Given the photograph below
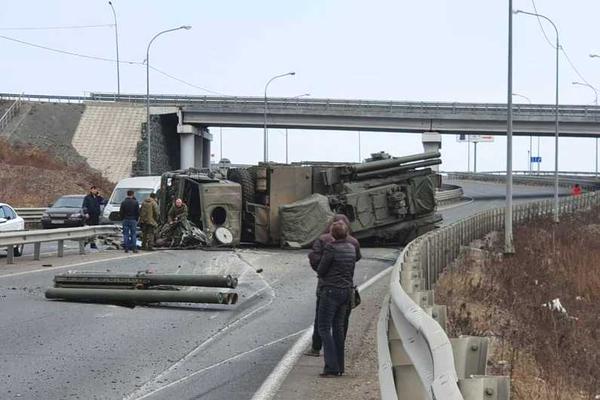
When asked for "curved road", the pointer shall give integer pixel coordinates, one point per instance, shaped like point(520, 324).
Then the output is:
point(59, 350)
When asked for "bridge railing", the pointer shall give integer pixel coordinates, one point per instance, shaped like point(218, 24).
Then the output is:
point(282, 103)
point(417, 360)
point(10, 113)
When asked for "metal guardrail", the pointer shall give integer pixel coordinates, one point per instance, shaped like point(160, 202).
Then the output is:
point(30, 215)
point(10, 113)
point(586, 182)
point(418, 357)
point(37, 237)
point(546, 110)
point(448, 194)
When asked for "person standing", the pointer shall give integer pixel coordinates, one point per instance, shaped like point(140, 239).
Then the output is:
point(314, 258)
point(336, 276)
point(91, 210)
point(130, 213)
point(149, 221)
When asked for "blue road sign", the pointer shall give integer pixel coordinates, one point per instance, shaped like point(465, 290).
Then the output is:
point(536, 159)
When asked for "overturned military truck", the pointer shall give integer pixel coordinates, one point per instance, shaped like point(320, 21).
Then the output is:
point(386, 199)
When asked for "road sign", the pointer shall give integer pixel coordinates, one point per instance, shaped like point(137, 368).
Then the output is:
point(474, 138)
point(536, 159)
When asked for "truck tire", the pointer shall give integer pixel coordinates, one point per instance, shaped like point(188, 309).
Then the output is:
point(247, 182)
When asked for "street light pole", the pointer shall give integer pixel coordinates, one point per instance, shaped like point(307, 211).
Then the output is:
point(595, 103)
point(530, 137)
point(508, 231)
point(117, 47)
point(148, 132)
point(359, 148)
point(266, 135)
point(286, 130)
point(556, 218)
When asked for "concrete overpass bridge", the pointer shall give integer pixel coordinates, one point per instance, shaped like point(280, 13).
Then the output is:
point(374, 115)
point(189, 118)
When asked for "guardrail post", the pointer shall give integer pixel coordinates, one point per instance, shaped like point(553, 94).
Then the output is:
point(10, 254)
point(485, 388)
point(82, 247)
point(36, 250)
point(61, 248)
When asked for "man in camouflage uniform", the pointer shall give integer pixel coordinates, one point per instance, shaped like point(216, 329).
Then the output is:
point(178, 211)
point(149, 221)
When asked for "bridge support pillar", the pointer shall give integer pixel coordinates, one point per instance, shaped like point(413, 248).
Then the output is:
point(432, 141)
point(194, 143)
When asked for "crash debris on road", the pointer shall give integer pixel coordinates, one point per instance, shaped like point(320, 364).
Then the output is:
point(141, 288)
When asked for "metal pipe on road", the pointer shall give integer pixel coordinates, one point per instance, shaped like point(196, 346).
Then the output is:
point(143, 279)
point(119, 296)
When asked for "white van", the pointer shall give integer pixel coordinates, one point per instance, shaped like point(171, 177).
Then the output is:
point(141, 185)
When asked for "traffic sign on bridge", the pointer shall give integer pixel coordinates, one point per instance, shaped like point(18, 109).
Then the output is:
point(537, 159)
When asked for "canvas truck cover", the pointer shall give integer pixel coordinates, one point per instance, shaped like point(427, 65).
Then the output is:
point(303, 221)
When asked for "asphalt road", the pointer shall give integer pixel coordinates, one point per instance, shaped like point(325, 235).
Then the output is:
point(58, 350)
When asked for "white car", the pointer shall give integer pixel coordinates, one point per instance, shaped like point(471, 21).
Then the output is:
point(10, 221)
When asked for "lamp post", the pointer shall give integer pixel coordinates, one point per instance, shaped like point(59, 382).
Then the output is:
point(530, 137)
point(508, 231)
point(595, 103)
point(117, 47)
point(286, 129)
point(148, 133)
point(265, 135)
point(556, 219)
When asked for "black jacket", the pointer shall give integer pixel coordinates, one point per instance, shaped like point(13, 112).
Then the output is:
point(130, 209)
point(91, 205)
point(336, 268)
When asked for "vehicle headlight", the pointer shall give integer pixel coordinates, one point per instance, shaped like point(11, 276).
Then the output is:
point(45, 216)
point(75, 216)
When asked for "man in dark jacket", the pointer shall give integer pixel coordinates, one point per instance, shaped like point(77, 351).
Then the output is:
point(130, 213)
point(91, 209)
point(336, 275)
point(314, 258)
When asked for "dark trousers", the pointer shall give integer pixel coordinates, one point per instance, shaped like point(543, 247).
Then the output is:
point(93, 220)
point(317, 343)
point(129, 234)
point(333, 305)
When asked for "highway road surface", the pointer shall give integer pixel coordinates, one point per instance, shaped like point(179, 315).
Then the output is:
point(58, 350)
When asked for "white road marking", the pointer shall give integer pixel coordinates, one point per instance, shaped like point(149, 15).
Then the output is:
point(200, 371)
point(46, 269)
point(275, 379)
point(143, 390)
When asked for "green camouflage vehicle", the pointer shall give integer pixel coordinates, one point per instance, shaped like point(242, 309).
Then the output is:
point(386, 199)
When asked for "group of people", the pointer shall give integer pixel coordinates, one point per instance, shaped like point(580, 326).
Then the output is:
point(131, 214)
point(333, 257)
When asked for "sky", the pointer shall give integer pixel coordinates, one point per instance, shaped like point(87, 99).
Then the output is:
point(428, 50)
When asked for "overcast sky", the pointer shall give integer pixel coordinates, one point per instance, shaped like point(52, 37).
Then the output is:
point(428, 50)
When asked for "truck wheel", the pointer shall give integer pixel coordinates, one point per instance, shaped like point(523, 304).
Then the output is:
point(247, 182)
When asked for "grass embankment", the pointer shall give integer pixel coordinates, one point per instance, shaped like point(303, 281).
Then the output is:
point(550, 353)
point(31, 177)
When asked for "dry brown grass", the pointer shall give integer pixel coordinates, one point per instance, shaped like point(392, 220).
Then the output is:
point(30, 177)
point(549, 354)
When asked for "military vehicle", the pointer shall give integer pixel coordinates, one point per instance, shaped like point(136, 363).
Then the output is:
point(386, 199)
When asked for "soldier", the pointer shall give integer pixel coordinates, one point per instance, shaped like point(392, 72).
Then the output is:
point(149, 220)
point(178, 212)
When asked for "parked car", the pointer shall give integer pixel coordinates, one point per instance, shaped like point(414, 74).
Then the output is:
point(66, 212)
point(142, 187)
point(10, 221)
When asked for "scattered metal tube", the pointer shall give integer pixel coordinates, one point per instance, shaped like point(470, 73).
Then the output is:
point(120, 296)
point(143, 280)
